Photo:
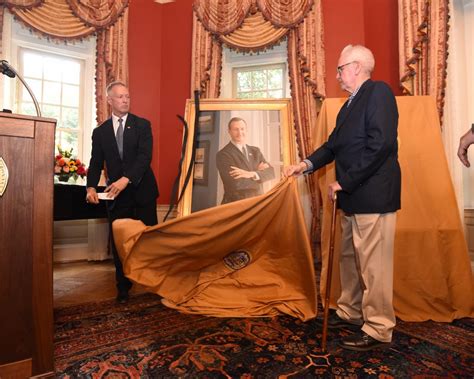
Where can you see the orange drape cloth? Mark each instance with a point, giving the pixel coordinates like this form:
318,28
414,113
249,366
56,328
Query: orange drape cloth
432,271
184,260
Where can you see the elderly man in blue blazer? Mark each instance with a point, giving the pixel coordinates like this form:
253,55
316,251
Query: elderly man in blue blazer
123,145
365,149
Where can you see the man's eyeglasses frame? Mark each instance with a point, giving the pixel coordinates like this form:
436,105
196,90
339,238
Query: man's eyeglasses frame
341,67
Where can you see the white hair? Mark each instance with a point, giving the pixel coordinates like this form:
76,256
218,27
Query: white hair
361,54
110,86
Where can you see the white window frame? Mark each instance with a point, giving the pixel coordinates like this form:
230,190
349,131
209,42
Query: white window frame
21,90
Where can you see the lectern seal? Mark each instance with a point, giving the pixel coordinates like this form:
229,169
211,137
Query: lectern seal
3,176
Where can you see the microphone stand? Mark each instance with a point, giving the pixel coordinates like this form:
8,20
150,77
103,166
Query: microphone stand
11,72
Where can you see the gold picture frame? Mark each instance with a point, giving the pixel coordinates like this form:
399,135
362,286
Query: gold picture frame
269,134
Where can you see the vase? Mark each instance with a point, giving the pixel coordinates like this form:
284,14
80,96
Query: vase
63,178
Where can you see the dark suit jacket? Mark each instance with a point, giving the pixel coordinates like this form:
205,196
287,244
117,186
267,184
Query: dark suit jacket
364,145
238,189
137,153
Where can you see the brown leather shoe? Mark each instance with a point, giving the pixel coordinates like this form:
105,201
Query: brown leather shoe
362,342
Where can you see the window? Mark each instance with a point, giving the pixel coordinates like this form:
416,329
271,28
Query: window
257,82
56,82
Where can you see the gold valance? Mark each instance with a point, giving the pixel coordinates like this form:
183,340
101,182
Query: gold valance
70,19
21,3
221,16
98,13
255,34
284,13
55,19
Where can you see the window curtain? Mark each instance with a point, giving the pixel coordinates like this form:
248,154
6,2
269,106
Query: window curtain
423,44
254,25
75,19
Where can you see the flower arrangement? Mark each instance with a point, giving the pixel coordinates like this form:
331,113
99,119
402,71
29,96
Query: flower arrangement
66,166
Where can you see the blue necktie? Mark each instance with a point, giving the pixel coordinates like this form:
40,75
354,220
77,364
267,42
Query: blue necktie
350,98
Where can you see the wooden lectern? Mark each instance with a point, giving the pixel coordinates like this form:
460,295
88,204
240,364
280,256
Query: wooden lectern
26,235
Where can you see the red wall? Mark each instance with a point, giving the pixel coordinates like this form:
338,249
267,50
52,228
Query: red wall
175,87
343,25
372,23
145,62
381,36
159,48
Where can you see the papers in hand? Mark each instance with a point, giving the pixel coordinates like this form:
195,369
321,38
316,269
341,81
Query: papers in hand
104,196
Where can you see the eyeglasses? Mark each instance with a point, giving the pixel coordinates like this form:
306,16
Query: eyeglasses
341,67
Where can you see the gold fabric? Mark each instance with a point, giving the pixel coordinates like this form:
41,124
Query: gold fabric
53,18
254,34
432,271
222,16
423,46
206,63
111,62
21,3
284,13
306,67
98,13
1,30
184,260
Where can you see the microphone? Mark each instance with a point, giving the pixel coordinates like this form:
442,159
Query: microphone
6,69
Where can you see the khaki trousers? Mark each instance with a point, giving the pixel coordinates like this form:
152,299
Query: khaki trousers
366,270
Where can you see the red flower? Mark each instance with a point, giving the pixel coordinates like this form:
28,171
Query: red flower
81,170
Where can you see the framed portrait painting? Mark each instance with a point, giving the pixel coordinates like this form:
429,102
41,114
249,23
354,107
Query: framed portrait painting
241,149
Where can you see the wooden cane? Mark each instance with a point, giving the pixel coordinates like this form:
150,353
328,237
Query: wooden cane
329,271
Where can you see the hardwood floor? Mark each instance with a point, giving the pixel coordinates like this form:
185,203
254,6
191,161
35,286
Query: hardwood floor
83,282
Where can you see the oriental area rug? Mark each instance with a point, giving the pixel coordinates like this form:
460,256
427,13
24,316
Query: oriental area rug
144,339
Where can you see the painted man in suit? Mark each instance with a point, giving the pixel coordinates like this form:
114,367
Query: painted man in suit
364,147
124,145
242,167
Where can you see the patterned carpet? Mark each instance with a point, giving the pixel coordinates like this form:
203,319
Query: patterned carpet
144,339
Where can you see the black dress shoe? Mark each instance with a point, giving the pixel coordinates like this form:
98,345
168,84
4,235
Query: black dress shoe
122,297
362,342
335,322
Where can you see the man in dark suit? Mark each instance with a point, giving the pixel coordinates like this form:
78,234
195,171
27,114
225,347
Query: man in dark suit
242,167
124,145
365,149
